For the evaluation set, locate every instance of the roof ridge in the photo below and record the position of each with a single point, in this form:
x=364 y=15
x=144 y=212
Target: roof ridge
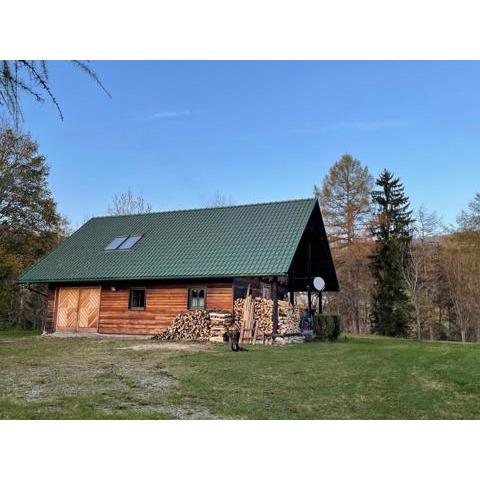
x=205 y=208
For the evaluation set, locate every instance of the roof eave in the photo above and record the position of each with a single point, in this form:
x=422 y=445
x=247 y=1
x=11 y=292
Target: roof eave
x=149 y=278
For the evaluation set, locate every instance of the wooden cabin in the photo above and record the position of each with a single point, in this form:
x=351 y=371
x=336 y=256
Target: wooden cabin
x=132 y=274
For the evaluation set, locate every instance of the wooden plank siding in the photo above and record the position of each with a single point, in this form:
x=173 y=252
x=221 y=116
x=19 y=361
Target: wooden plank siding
x=163 y=303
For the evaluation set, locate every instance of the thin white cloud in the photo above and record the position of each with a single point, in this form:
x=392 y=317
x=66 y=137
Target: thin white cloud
x=171 y=114
x=360 y=125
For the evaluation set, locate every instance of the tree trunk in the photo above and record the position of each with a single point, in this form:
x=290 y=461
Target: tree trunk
x=419 y=325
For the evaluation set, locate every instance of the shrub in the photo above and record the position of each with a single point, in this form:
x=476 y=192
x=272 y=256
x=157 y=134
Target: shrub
x=327 y=327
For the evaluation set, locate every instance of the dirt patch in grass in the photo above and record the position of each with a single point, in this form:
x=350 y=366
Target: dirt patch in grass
x=173 y=346
x=45 y=377
x=179 y=412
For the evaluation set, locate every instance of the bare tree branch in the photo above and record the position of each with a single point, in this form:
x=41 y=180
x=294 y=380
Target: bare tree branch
x=128 y=203
x=32 y=78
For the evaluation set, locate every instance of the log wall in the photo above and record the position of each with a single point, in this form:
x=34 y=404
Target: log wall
x=163 y=303
x=49 y=325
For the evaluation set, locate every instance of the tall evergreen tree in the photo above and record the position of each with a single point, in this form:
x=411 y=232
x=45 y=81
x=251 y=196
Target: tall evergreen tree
x=392 y=231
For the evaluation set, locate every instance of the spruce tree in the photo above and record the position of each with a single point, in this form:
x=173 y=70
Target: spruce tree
x=391 y=229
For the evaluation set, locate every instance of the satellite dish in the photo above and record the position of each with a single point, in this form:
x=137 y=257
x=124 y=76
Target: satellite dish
x=319 y=283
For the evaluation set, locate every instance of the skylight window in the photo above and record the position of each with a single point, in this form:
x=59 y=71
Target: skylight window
x=123 y=242
x=115 y=243
x=130 y=242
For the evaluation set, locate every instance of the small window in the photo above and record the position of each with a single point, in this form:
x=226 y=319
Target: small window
x=137 y=299
x=196 y=298
x=130 y=242
x=115 y=243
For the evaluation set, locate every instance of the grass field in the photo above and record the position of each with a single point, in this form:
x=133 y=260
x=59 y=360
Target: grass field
x=363 y=378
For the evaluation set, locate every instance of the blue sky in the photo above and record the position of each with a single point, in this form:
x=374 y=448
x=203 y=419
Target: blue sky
x=257 y=131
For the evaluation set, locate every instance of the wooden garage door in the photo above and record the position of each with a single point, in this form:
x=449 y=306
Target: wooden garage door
x=67 y=309
x=78 y=309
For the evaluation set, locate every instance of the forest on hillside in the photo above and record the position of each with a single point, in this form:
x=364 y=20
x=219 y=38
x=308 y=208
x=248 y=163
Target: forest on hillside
x=401 y=272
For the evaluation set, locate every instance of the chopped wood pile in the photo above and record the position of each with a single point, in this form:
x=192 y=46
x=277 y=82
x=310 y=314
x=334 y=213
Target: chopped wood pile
x=220 y=323
x=288 y=316
x=198 y=325
x=189 y=325
x=217 y=325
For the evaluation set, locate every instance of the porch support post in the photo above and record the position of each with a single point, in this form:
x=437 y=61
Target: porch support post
x=275 y=307
x=309 y=278
x=292 y=297
x=291 y=286
x=309 y=298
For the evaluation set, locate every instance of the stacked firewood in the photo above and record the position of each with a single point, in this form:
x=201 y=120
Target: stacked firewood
x=263 y=315
x=199 y=325
x=288 y=316
x=221 y=324
x=189 y=325
x=238 y=312
x=217 y=325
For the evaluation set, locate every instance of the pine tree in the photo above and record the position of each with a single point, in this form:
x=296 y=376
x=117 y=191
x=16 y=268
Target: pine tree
x=391 y=310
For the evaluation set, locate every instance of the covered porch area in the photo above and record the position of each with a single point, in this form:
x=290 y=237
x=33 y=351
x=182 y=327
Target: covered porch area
x=312 y=259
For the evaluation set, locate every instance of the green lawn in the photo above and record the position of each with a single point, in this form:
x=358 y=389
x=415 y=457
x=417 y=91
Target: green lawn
x=365 y=377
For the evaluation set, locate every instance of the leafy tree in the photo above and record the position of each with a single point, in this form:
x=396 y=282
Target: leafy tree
x=128 y=204
x=31 y=77
x=29 y=223
x=392 y=231
x=345 y=199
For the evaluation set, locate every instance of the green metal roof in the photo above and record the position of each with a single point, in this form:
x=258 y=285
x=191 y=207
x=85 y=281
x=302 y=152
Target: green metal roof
x=244 y=240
